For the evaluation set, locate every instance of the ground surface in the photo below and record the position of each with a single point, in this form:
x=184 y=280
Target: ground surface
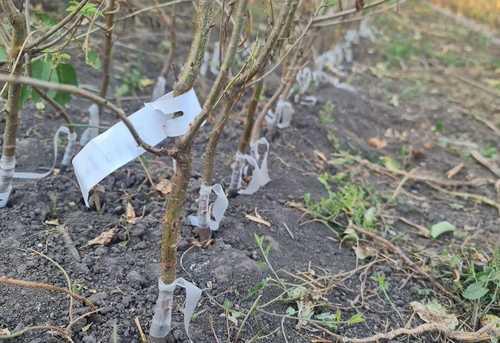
x=418 y=107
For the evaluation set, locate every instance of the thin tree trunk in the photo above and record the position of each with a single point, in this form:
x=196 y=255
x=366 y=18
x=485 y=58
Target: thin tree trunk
x=245 y=139
x=172 y=219
x=8 y=159
x=109 y=12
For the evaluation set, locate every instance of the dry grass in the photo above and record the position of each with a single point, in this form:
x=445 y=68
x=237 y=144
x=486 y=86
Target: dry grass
x=485 y=11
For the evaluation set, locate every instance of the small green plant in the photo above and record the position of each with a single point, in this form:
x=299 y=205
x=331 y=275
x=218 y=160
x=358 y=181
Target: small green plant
x=438 y=126
x=133 y=82
x=489 y=152
x=482 y=283
x=326 y=114
x=350 y=200
x=383 y=287
x=476 y=277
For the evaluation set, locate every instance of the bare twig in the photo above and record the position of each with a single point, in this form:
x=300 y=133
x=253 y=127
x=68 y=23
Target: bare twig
x=59 y=331
x=482 y=335
x=88 y=95
x=490 y=165
x=58 y=26
x=38 y=285
x=398 y=251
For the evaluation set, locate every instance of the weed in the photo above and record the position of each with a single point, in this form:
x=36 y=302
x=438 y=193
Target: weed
x=326 y=114
x=133 y=82
x=489 y=152
x=350 y=200
x=475 y=276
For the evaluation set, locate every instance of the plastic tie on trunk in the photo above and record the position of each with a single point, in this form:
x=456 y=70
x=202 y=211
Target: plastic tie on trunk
x=365 y=31
x=304 y=79
x=282 y=118
x=161 y=324
x=36 y=176
x=159 y=88
x=7 y=167
x=93 y=130
x=204 y=64
x=352 y=36
x=306 y=100
x=260 y=173
x=116 y=146
x=216 y=210
x=215 y=61
x=70 y=149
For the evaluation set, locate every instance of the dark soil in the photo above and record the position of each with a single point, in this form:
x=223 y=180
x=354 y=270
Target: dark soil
x=121 y=278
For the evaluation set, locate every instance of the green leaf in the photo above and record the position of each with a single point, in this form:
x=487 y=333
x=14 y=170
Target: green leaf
x=441 y=228
x=475 y=291
x=3 y=55
x=66 y=74
x=45 y=19
x=25 y=94
x=391 y=163
x=88 y=10
x=356 y=319
x=41 y=69
x=92 y=59
x=290 y=311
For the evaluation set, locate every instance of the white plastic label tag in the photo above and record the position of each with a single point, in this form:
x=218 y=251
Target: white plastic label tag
x=260 y=174
x=216 y=210
x=116 y=147
x=93 y=130
x=282 y=118
x=161 y=324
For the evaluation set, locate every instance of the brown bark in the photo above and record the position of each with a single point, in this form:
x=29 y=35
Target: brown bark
x=12 y=108
x=109 y=11
x=172 y=219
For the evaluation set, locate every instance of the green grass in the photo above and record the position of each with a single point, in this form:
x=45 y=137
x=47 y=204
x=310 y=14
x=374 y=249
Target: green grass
x=349 y=200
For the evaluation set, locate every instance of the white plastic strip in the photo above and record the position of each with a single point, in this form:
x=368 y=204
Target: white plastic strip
x=36 y=176
x=282 y=118
x=159 y=88
x=215 y=61
x=116 y=147
x=70 y=150
x=260 y=174
x=304 y=80
x=93 y=130
x=216 y=210
x=161 y=324
x=7 y=167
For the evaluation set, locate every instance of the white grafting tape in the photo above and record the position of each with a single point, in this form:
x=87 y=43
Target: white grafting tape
x=304 y=80
x=161 y=323
x=365 y=31
x=70 y=150
x=35 y=176
x=282 y=117
x=215 y=61
x=352 y=36
x=116 y=147
x=285 y=112
x=260 y=173
x=159 y=88
x=216 y=209
x=93 y=130
x=7 y=167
